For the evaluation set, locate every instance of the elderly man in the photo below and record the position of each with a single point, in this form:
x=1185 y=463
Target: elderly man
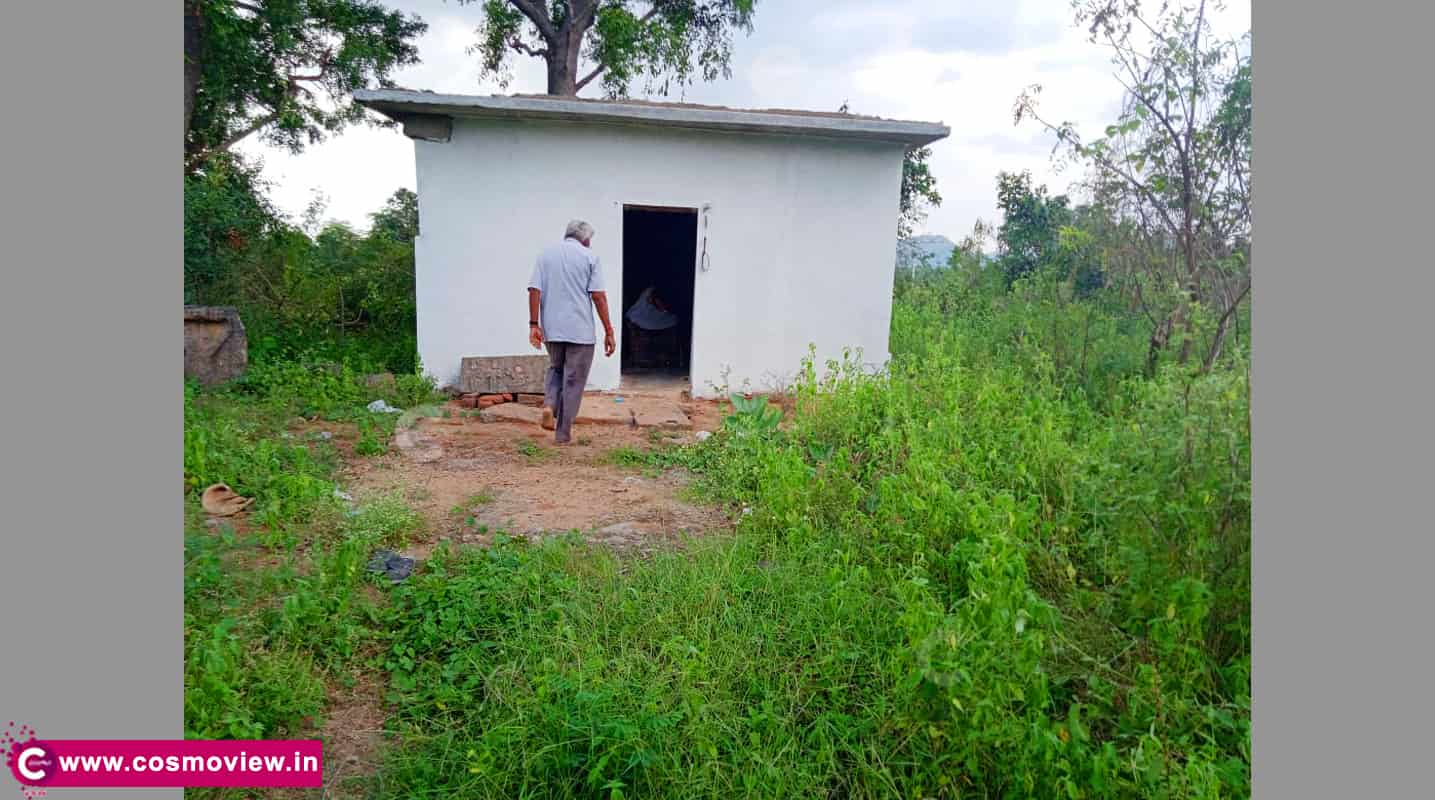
x=567 y=283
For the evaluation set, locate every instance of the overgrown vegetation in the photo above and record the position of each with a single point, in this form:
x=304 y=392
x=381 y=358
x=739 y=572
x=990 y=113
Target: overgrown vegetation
x=336 y=295
x=275 y=614
x=1001 y=569
x=962 y=578
x=1014 y=564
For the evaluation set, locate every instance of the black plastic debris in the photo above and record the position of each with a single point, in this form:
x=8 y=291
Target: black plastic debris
x=392 y=564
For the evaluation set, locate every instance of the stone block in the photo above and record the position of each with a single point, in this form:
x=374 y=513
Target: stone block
x=503 y=374
x=215 y=346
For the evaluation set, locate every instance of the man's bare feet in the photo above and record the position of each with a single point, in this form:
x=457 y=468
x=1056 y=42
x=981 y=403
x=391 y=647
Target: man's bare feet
x=548 y=422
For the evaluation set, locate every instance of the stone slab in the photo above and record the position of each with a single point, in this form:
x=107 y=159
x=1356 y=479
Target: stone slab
x=216 y=348
x=600 y=409
x=502 y=374
x=513 y=412
x=642 y=412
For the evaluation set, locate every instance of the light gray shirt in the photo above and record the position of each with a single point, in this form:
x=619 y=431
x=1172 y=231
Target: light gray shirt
x=564 y=275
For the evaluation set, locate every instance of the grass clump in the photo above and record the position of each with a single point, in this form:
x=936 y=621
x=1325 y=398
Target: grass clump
x=960 y=577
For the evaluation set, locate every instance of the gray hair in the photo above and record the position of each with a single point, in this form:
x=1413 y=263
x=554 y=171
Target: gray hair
x=580 y=230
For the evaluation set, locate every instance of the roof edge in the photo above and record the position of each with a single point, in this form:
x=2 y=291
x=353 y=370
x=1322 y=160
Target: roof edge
x=400 y=103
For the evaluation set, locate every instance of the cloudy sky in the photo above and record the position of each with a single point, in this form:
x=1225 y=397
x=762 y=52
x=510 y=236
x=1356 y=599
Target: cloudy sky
x=960 y=62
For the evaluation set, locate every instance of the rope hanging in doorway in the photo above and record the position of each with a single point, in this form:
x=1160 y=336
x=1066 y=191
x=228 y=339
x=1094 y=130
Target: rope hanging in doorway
x=703 y=263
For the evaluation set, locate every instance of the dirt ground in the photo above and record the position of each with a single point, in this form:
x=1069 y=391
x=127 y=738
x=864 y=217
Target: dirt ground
x=474 y=473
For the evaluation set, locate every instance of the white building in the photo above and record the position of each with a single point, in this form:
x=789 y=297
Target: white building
x=767 y=231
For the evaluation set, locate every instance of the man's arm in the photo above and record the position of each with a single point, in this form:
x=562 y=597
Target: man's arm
x=535 y=329
x=600 y=300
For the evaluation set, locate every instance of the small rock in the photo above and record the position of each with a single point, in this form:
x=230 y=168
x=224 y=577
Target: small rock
x=324 y=435
x=621 y=529
x=395 y=566
x=703 y=436
x=345 y=496
x=381 y=407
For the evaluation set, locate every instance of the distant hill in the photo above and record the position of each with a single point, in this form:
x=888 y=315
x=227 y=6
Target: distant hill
x=934 y=249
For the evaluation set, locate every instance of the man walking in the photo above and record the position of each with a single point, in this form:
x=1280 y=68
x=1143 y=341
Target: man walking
x=567 y=283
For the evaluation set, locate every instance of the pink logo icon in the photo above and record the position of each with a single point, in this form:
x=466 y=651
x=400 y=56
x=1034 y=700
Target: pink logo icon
x=30 y=760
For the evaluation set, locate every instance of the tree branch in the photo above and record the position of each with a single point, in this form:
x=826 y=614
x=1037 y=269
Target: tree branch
x=583 y=13
x=517 y=44
x=598 y=70
x=251 y=128
x=248 y=7
x=537 y=13
x=1221 y=327
x=1195 y=68
x=1111 y=166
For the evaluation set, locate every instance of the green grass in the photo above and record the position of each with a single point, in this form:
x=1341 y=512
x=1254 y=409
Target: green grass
x=276 y=616
x=958 y=579
x=533 y=451
x=1000 y=569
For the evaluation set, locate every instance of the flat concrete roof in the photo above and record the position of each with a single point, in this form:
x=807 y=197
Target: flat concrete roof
x=401 y=104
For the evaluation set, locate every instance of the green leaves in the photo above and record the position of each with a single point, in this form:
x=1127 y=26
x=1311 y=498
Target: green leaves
x=752 y=415
x=664 y=44
x=285 y=69
x=919 y=190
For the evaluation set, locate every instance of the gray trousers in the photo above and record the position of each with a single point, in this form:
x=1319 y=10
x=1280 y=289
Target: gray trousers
x=568 y=366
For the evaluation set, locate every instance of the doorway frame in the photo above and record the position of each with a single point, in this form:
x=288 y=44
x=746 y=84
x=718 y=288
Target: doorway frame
x=697 y=209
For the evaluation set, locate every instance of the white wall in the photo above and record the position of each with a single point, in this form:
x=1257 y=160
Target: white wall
x=800 y=239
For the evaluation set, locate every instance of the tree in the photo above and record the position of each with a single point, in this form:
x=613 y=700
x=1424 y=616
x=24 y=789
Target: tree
x=919 y=190
x=399 y=218
x=284 y=69
x=1176 y=164
x=227 y=219
x=1030 y=233
x=662 y=41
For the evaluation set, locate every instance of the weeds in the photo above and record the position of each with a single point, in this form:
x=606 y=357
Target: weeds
x=999 y=568
x=533 y=452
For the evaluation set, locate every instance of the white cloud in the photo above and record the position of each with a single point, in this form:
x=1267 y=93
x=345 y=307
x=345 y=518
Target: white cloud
x=962 y=63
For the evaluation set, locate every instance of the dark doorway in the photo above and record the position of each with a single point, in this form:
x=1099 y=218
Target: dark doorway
x=659 y=251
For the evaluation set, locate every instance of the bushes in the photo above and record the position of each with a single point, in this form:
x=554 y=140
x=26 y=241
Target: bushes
x=1011 y=565
x=339 y=294
x=274 y=617
x=957 y=579
x=997 y=569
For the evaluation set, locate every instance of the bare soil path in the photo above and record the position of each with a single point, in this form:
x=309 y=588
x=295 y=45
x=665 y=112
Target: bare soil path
x=474 y=473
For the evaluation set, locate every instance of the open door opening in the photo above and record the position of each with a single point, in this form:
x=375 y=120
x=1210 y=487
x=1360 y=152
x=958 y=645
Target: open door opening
x=659 y=269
